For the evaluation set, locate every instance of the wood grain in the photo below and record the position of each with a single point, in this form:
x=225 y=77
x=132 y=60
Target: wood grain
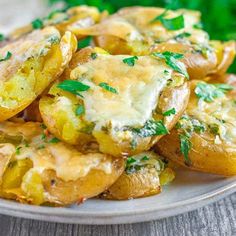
x=213 y=220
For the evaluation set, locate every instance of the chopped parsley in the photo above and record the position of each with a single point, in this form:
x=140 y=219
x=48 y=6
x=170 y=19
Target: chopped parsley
x=18 y=150
x=41 y=147
x=43 y=136
x=73 y=86
x=7 y=57
x=94 y=55
x=175 y=23
x=185 y=147
x=2 y=37
x=130 y=61
x=107 y=87
x=170 y=112
x=37 y=24
x=43 y=126
x=54 y=140
x=198 y=26
x=80 y=110
x=214 y=128
x=133 y=144
x=182 y=35
x=151 y=128
x=83 y=43
x=209 y=92
x=135 y=164
x=171 y=59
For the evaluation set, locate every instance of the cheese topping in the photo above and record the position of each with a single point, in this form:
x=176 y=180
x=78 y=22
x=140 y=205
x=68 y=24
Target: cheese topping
x=138 y=89
x=33 y=45
x=221 y=112
x=68 y=163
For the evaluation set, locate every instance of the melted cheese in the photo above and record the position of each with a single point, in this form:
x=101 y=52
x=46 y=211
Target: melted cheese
x=68 y=163
x=33 y=45
x=138 y=88
x=221 y=109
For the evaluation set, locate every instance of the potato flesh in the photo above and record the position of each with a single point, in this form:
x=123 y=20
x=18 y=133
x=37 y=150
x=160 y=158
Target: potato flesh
x=24 y=83
x=28 y=177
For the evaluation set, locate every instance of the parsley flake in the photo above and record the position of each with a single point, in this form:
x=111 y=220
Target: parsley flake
x=209 y=92
x=172 y=60
x=151 y=128
x=7 y=57
x=185 y=147
x=182 y=35
x=170 y=112
x=83 y=43
x=94 y=55
x=130 y=61
x=73 y=86
x=2 y=37
x=107 y=87
x=18 y=150
x=37 y=24
x=175 y=23
x=80 y=110
x=54 y=140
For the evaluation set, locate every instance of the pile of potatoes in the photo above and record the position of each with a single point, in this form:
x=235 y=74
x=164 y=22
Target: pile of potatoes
x=96 y=105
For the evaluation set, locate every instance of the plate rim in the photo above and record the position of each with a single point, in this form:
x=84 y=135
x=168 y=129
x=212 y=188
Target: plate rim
x=67 y=215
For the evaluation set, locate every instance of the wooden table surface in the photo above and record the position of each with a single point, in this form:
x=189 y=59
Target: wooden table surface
x=213 y=220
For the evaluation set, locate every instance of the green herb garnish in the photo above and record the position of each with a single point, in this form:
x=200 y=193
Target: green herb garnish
x=18 y=150
x=94 y=55
x=43 y=126
x=151 y=128
x=83 y=43
x=198 y=26
x=2 y=37
x=171 y=59
x=175 y=23
x=172 y=111
x=73 y=86
x=43 y=136
x=130 y=61
x=107 y=87
x=182 y=35
x=80 y=110
x=185 y=147
x=37 y=24
x=54 y=140
x=209 y=92
x=214 y=128
x=7 y=57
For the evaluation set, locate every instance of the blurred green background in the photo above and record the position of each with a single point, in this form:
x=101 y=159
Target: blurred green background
x=218 y=16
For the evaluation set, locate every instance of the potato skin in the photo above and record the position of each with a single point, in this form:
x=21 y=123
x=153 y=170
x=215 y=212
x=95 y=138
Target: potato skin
x=205 y=156
x=146 y=180
x=55 y=173
x=139 y=184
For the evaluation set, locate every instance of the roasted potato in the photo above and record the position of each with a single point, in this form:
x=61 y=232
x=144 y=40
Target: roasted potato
x=64 y=20
x=123 y=105
x=37 y=168
x=204 y=138
x=132 y=31
x=32 y=63
x=144 y=175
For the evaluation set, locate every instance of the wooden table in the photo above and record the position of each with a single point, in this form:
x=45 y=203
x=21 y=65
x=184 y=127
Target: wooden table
x=213 y=220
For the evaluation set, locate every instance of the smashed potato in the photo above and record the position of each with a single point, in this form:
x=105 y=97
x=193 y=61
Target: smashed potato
x=142 y=30
x=204 y=138
x=37 y=168
x=144 y=175
x=34 y=62
x=64 y=20
x=123 y=113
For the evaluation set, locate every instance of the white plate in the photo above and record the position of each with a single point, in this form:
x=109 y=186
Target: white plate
x=189 y=191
